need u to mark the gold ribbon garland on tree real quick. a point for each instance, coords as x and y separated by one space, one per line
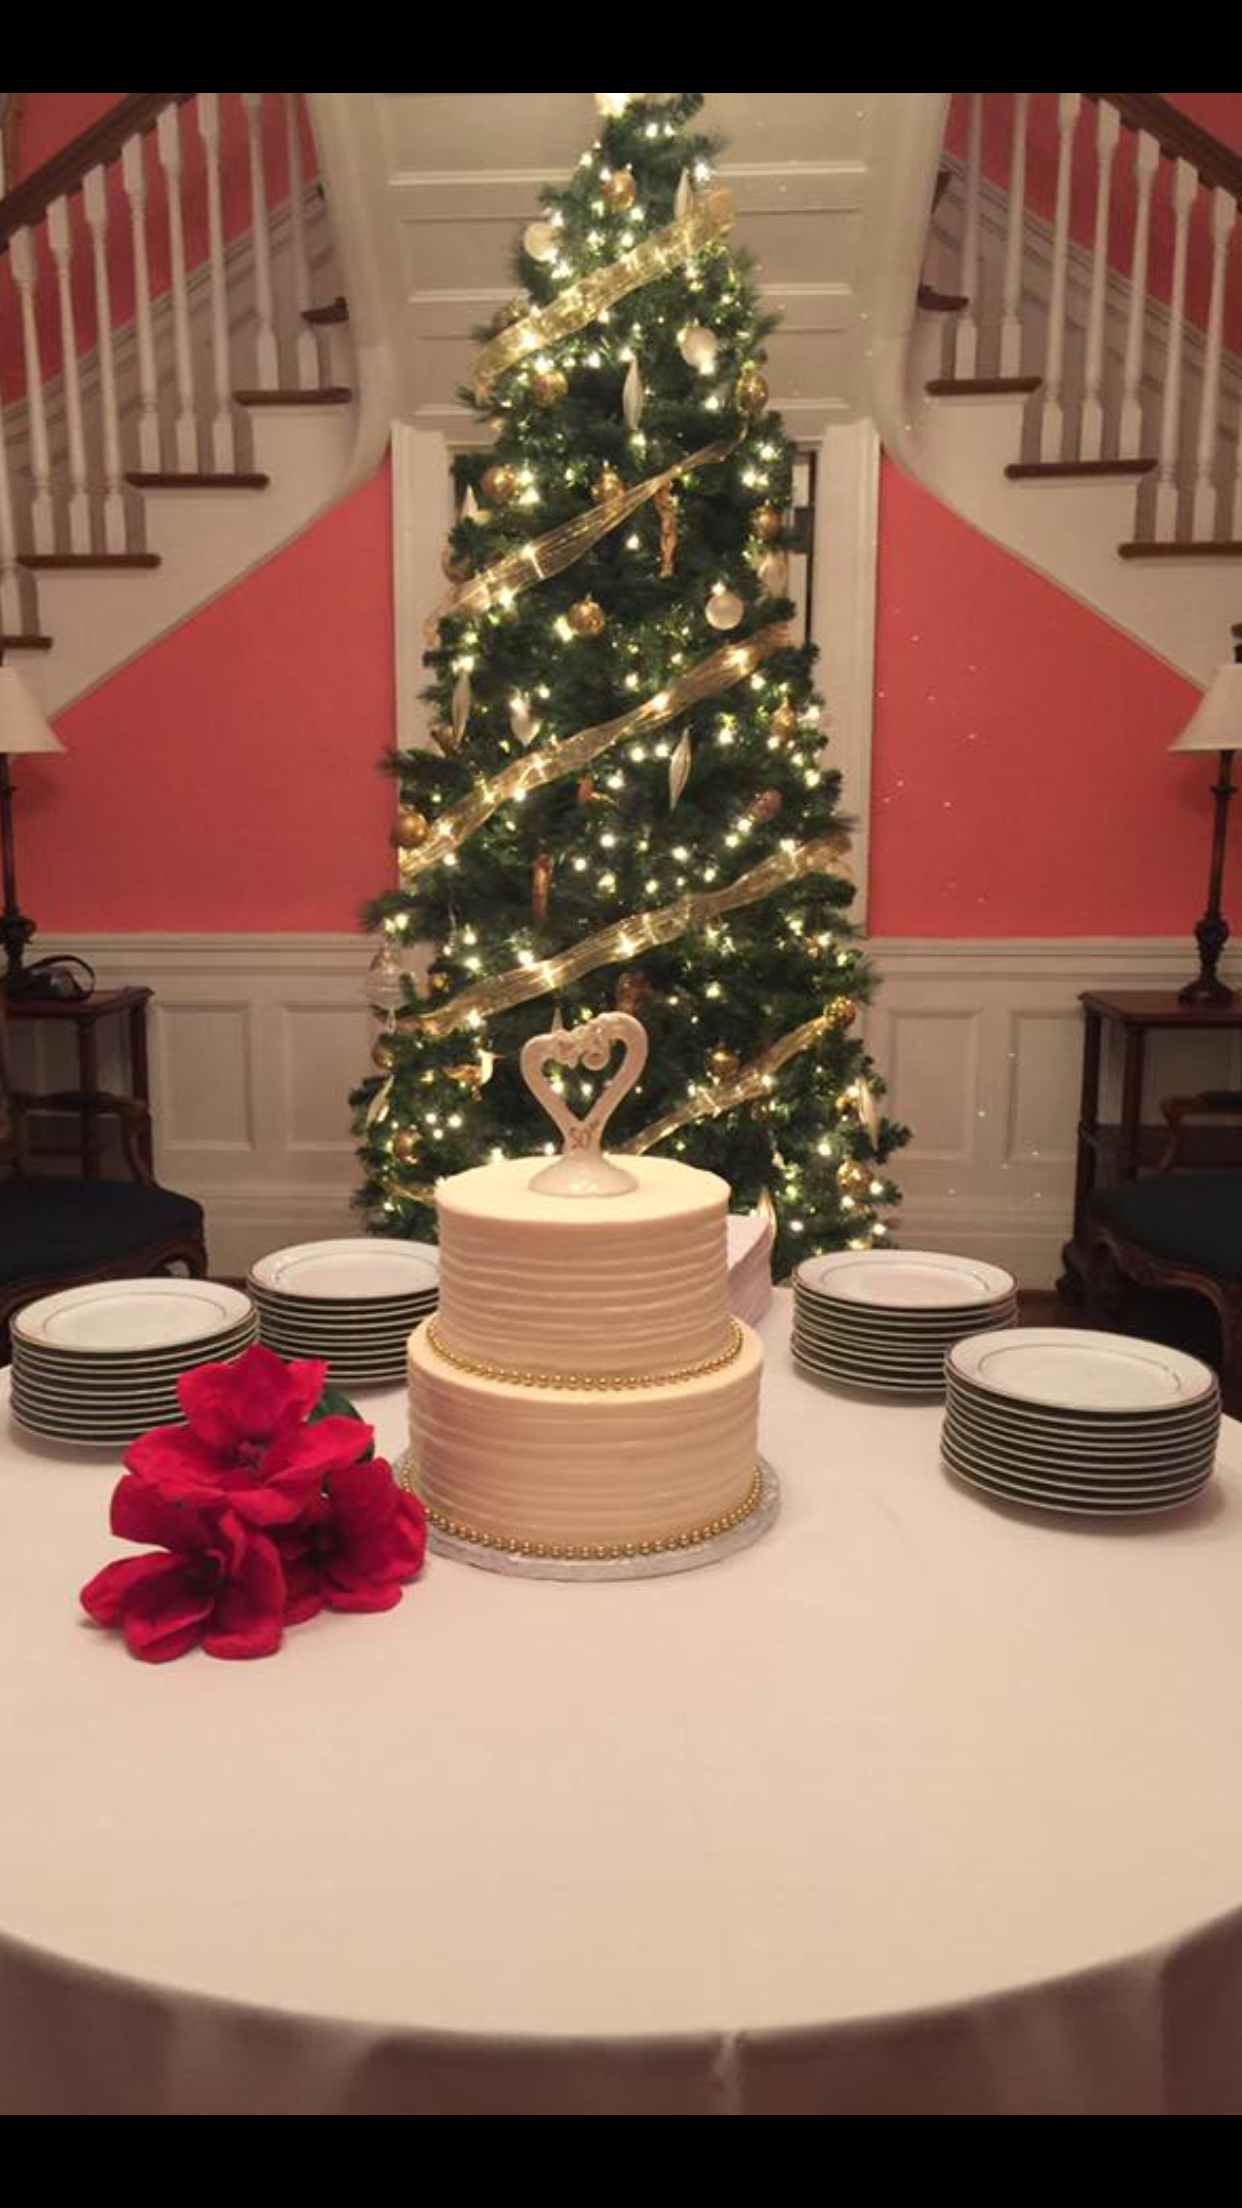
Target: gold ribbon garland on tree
711 218
755 1080
561 548
719 672
629 939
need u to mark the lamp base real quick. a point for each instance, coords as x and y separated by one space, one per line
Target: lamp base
1212 935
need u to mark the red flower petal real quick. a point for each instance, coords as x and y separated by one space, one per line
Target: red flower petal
105 1599
250 1401
165 1614
249 1618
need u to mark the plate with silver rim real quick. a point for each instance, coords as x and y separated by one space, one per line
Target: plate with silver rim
363 1271
1081 1490
1078 1470
127 1318
1126 1428
998 1491
119 1370
905 1280
1097 1449
1098 1374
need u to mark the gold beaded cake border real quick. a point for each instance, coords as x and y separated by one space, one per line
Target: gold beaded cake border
581 1383
545 1552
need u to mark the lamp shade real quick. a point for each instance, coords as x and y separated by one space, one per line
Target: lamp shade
1217 726
22 725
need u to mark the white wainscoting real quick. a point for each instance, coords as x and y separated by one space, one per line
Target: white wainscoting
982 1045
258 1040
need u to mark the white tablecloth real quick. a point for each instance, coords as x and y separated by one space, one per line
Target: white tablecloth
920 1806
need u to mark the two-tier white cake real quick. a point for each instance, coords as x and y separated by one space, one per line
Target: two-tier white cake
583 1393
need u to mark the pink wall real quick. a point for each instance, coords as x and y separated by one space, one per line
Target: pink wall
227 781
1022 779
52 120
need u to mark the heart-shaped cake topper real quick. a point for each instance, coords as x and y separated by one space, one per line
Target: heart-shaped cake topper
583 1170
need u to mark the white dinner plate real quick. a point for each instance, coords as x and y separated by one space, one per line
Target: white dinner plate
1084 1372
122 1372
271 1323
861 1316
1103 1448
1079 1470
81 1405
1075 1425
867 1360
121 1317
1001 1493
869 1383
1076 1494
925 1343
355 1271
905 1280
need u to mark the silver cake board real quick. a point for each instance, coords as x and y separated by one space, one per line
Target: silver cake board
676 1561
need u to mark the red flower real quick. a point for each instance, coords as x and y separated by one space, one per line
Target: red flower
249 1443
216 1586
356 1548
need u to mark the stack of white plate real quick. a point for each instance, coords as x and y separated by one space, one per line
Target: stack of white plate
99 1366
354 1303
1086 1423
885 1320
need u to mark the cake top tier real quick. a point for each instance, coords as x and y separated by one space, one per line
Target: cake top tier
497 1194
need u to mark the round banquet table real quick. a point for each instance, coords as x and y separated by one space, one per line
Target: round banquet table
920 1806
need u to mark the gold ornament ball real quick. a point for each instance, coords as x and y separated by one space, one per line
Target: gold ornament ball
587 618
724 1065
753 392
384 1054
406 1148
784 724
726 611
446 736
550 386
609 486
769 522
502 484
844 1012
767 807
541 242
458 571
621 188
855 1179
413 828
774 573
633 991
466 1077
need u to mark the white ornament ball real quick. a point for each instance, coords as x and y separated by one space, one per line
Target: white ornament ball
541 242
726 611
700 349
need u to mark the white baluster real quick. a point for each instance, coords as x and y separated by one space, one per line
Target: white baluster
1108 137
60 238
1147 165
134 171
966 336
1052 435
265 295
223 427
95 200
169 135
11 619
1168 493
1224 222
308 347
1011 331
24 261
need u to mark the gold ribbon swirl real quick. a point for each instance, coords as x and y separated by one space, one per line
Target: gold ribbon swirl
627 939
713 1098
711 217
561 548
719 672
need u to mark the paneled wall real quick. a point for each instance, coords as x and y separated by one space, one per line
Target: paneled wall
258 1040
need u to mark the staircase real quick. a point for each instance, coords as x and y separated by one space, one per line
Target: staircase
177 388
1072 383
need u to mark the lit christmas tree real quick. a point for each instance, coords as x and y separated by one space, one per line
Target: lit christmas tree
629 805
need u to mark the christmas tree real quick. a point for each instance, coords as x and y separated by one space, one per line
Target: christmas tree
629 804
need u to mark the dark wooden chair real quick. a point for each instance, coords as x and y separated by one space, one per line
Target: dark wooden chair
1178 1230
60 1233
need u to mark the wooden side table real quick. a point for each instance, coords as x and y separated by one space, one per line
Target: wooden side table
1122 1151
88 1099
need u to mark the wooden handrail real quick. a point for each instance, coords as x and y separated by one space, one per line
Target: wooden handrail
105 141
1178 137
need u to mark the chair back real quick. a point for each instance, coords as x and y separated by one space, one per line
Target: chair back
9 1152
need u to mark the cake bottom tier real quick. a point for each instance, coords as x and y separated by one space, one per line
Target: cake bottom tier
573 1474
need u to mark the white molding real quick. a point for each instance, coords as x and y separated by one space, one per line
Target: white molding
983 1040
422 506
843 619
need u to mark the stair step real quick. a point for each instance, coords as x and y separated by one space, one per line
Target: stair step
1079 471
89 563
140 482
985 387
327 318
941 302
25 643
331 395
1231 551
